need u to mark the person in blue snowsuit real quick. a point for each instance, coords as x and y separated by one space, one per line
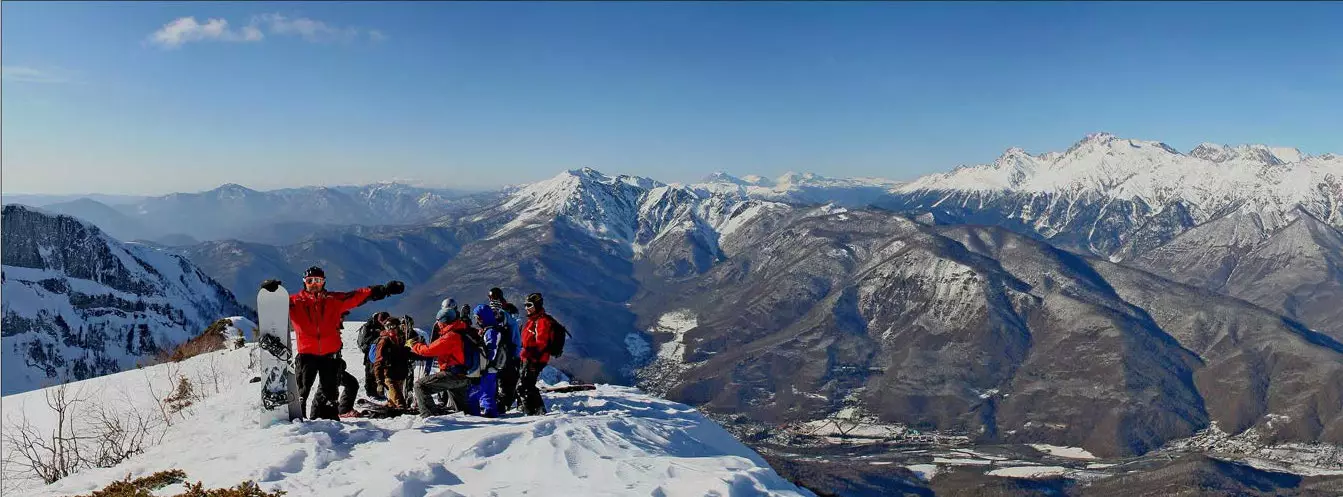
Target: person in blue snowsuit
483 397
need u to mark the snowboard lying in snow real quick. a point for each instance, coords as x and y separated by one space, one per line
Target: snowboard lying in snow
365 408
568 388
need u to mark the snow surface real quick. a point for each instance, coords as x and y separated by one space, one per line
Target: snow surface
961 461
677 323
1029 471
1068 452
611 441
925 472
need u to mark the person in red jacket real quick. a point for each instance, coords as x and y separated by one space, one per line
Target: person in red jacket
536 333
451 349
315 314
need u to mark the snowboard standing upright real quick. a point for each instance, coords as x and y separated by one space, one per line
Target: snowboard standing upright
279 386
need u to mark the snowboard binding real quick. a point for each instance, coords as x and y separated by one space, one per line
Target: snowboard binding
273 392
271 343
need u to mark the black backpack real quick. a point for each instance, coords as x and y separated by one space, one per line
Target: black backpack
557 335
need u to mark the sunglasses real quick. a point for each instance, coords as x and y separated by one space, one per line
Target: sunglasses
314 279
529 305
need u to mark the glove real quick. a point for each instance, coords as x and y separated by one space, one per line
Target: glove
395 287
271 285
410 342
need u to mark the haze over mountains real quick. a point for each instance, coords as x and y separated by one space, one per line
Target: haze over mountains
1118 296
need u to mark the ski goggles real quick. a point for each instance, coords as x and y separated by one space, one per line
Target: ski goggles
529 305
312 280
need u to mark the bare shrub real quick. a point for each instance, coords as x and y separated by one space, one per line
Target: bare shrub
85 435
123 434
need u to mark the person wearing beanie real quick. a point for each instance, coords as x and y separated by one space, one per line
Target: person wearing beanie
536 336
315 313
368 336
451 349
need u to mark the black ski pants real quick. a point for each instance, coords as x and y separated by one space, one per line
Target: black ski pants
349 390
508 383
327 368
532 404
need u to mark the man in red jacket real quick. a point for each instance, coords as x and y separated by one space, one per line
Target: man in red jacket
536 333
450 349
315 314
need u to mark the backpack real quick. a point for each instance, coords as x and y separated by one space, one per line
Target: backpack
510 320
557 335
502 347
473 354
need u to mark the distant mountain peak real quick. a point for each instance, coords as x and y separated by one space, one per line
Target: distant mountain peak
1268 155
1098 137
722 177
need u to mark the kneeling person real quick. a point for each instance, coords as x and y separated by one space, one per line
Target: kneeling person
458 358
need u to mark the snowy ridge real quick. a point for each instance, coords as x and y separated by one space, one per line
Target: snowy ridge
79 304
1210 178
634 212
611 441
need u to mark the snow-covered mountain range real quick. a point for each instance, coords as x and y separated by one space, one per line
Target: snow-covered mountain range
235 211
79 304
1152 292
1118 197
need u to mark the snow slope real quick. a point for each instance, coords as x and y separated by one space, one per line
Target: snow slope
611 441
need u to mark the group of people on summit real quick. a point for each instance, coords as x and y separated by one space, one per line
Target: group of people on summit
475 359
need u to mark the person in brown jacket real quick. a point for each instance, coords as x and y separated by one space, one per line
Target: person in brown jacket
391 362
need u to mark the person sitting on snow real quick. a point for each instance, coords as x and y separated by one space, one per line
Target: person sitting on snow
349 388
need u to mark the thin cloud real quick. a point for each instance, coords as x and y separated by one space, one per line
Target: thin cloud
186 30
25 74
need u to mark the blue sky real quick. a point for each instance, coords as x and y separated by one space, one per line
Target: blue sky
481 94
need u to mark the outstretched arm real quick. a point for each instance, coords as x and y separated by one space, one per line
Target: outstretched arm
350 300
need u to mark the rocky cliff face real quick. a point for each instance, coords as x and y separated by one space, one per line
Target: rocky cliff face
79 304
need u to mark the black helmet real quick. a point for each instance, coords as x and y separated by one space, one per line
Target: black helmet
314 271
496 294
535 299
